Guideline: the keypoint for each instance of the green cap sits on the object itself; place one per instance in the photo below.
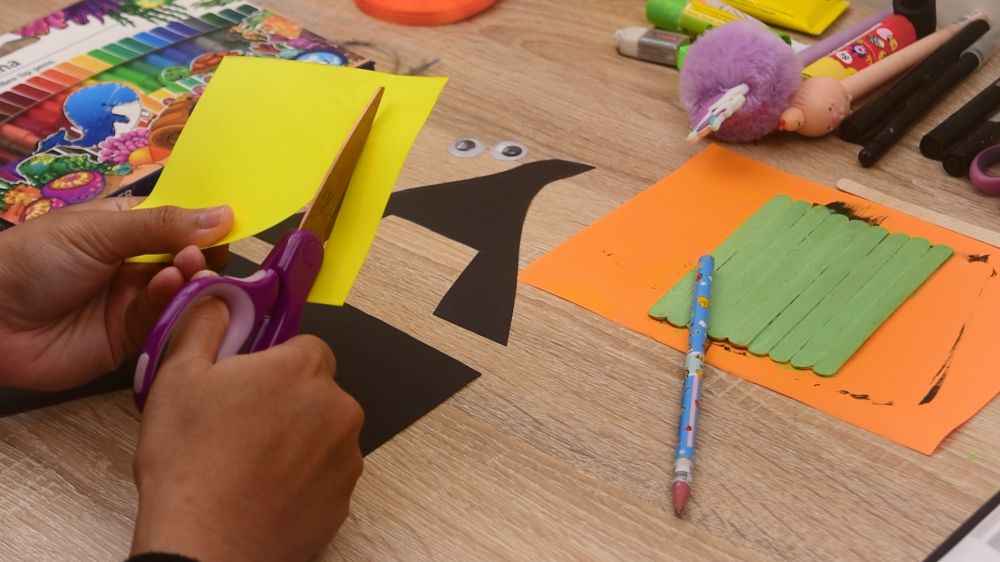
(682, 54)
(665, 14)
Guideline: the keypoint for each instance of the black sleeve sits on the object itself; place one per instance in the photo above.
(159, 557)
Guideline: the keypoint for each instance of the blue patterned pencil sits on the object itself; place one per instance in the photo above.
(687, 426)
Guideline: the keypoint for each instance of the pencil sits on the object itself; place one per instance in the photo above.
(687, 426)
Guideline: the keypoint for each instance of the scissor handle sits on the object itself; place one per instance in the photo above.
(264, 308)
(983, 180)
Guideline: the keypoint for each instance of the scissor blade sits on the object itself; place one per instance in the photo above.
(323, 210)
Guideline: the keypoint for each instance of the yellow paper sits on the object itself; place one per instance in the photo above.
(264, 135)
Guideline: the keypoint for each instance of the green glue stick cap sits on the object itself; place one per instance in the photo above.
(665, 14)
(681, 55)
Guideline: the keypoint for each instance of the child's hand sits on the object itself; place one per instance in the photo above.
(251, 458)
(70, 310)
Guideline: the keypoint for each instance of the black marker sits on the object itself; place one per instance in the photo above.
(958, 160)
(921, 13)
(871, 116)
(950, 132)
(925, 98)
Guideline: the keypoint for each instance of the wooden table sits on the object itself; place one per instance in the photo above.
(563, 448)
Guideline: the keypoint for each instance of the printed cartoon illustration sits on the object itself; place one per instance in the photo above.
(703, 302)
(97, 112)
(95, 138)
(886, 34)
(120, 11)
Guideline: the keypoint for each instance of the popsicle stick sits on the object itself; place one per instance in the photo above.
(944, 221)
(860, 303)
(675, 305)
(862, 240)
(730, 285)
(818, 317)
(788, 278)
(864, 324)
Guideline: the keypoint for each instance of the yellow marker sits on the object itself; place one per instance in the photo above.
(263, 136)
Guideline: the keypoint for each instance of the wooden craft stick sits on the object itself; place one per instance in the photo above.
(861, 302)
(837, 298)
(866, 322)
(944, 221)
(863, 240)
(748, 279)
(760, 228)
(788, 280)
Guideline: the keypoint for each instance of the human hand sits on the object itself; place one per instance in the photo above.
(71, 309)
(251, 458)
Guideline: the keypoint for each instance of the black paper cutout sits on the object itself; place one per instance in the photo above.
(486, 214)
(396, 378)
(394, 389)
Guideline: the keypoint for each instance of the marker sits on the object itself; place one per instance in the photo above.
(872, 115)
(924, 99)
(952, 130)
(687, 426)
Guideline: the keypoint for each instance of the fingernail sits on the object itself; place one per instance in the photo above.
(211, 217)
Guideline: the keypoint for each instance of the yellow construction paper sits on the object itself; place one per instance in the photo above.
(265, 133)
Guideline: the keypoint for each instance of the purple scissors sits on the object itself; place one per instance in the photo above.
(265, 307)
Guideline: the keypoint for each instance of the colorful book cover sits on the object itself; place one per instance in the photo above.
(93, 96)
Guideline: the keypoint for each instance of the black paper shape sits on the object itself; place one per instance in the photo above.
(487, 214)
(484, 213)
(394, 389)
(396, 378)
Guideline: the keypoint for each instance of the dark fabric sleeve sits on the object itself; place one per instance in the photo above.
(159, 557)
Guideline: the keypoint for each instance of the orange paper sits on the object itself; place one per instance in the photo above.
(926, 371)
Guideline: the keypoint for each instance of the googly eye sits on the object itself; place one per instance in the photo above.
(466, 147)
(508, 150)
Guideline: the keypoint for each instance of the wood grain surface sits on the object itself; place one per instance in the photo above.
(562, 450)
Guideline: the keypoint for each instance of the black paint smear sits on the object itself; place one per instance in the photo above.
(733, 350)
(942, 372)
(849, 211)
(864, 397)
(978, 258)
(486, 214)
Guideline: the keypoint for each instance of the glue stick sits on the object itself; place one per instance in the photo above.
(695, 17)
(653, 45)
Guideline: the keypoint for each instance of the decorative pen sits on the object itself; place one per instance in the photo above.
(691, 396)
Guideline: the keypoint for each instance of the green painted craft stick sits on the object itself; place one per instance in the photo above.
(862, 239)
(788, 277)
(881, 307)
(675, 305)
(790, 344)
(834, 331)
(730, 286)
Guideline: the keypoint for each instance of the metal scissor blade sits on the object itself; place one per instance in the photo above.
(322, 212)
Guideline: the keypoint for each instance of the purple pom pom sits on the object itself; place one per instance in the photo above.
(746, 52)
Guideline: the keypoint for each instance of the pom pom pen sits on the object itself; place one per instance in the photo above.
(691, 395)
(821, 102)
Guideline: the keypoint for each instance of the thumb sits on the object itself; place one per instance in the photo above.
(112, 236)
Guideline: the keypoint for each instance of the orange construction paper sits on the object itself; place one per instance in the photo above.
(926, 371)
